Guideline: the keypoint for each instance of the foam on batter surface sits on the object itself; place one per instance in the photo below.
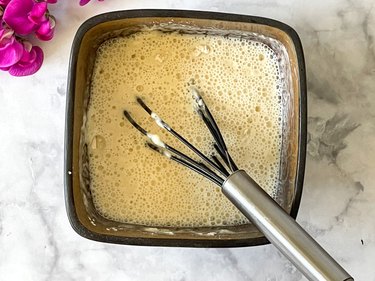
(239, 81)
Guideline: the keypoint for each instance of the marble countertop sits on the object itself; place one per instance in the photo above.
(36, 240)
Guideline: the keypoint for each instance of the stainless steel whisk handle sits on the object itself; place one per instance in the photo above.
(282, 230)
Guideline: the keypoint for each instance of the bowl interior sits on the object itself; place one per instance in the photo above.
(82, 214)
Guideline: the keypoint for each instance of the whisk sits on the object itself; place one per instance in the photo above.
(265, 213)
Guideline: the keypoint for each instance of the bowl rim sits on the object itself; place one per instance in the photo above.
(69, 119)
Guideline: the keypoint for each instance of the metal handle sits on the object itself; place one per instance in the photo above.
(282, 230)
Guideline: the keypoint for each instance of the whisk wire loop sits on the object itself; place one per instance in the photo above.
(215, 171)
(164, 125)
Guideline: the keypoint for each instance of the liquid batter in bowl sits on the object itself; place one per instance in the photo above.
(239, 80)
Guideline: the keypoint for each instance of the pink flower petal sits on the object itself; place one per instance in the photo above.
(16, 16)
(4, 68)
(29, 67)
(4, 2)
(51, 1)
(37, 13)
(46, 30)
(10, 53)
(83, 2)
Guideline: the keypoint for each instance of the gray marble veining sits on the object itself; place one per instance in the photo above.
(36, 240)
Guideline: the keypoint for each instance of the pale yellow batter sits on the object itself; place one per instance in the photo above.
(239, 80)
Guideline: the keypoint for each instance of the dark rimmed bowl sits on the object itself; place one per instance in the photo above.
(81, 212)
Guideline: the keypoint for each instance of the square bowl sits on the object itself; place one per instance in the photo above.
(82, 214)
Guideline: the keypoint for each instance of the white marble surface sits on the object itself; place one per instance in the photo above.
(36, 240)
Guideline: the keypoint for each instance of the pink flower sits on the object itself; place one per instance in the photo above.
(10, 49)
(27, 16)
(19, 59)
(24, 16)
(17, 19)
(84, 2)
(30, 62)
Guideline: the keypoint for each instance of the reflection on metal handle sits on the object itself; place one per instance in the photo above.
(282, 230)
